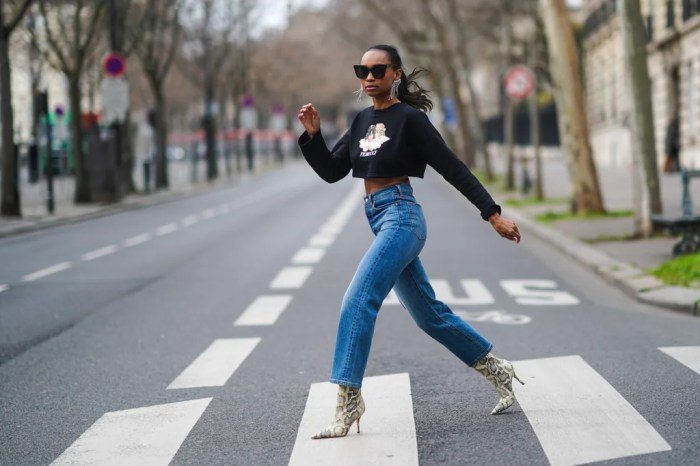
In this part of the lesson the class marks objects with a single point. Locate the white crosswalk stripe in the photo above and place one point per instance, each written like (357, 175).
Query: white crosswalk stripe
(265, 310)
(387, 430)
(149, 435)
(216, 364)
(578, 416)
(686, 355)
(291, 277)
(308, 256)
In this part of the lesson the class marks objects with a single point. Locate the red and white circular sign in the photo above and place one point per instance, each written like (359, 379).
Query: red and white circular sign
(519, 82)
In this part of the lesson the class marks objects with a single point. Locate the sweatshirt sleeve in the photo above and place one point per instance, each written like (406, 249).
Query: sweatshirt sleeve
(330, 165)
(438, 155)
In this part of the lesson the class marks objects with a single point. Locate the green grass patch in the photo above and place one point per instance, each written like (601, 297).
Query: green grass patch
(681, 271)
(481, 176)
(547, 217)
(534, 201)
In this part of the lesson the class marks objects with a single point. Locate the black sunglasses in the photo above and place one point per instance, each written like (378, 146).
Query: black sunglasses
(378, 71)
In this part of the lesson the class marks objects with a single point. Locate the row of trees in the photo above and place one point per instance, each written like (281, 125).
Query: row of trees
(205, 39)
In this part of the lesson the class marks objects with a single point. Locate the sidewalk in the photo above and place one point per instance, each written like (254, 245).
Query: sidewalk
(183, 182)
(604, 244)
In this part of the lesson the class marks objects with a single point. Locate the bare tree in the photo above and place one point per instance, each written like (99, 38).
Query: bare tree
(70, 27)
(207, 39)
(11, 13)
(160, 41)
(571, 110)
(648, 199)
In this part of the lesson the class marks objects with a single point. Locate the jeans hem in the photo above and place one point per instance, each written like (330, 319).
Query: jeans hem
(481, 356)
(345, 382)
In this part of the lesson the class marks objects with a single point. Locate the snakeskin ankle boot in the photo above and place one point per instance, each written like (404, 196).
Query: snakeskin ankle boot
(349, 408)
(500, 373)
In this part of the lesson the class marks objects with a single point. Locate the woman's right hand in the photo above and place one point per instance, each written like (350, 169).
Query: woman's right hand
(308, 116)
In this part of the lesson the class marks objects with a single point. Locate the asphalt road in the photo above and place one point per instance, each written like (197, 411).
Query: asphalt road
(194, 332)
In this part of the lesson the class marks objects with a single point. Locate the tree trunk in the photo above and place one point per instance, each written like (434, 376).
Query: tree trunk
(571, 110)
(476, 107)
(449, 62)
(642, 122)
(535, 124)
(161, 138)
(509, 136)
(11, 206)
(82, 182)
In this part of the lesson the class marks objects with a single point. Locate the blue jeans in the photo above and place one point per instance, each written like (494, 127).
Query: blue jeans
(392, 260)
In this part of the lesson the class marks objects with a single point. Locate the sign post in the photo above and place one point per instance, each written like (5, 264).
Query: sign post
(519, 83)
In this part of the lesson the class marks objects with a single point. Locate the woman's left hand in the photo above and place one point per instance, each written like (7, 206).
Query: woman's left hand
(506, 228)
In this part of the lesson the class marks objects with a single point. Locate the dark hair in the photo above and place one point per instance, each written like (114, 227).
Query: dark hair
(409, 91)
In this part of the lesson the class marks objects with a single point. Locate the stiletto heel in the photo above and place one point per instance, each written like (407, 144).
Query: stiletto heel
(518, 378)
(500, 373)
(349, 409)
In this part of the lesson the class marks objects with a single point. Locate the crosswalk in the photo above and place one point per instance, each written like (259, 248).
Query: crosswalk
(575, 413)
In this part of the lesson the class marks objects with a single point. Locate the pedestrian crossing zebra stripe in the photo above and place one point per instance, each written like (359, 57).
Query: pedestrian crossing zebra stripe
(149, 435)
(578, 416)
(387, 435)
(216, 364)
(689, 356)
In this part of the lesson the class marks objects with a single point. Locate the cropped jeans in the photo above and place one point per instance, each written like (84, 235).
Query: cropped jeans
(397, 221)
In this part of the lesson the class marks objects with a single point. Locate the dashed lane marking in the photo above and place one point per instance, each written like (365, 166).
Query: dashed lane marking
(308, 255)
(166, 229)
(265, 310)
(4, 288)
(136, 240)
(292, 277)
(687, 355)
(148, 435)
(578, 416)
(105, 251)
(47, 271)
(216, 364)
(387, 430)
(189, 220)
(321, 240)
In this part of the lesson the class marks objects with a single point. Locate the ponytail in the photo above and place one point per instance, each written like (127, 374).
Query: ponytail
(409, 90)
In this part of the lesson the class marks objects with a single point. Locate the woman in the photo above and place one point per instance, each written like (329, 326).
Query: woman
(387, 143)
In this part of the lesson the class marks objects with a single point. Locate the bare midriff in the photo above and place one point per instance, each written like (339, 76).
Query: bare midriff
(375, 184)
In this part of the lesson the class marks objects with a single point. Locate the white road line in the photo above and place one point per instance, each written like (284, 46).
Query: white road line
(166, 229)
(136, 240)
(686, 355)
(308, 255)
(291, 277)
(149, 435)
(578, 416)
(475, 290)
(387, 429)
(321, 240)
(105, 251)
(216, 364)
(189, 220)
(265, 310)
(208, 213)
(330, 229)
(4, 288)
(222, 209)
(47, 271)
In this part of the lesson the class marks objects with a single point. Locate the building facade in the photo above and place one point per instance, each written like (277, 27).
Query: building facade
(673, 50)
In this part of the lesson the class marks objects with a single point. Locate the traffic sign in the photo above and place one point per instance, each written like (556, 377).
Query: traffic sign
(519, 82)
(114, 65)
(115, 99)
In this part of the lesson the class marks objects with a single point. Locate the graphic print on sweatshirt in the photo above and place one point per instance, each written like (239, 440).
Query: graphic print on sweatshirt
(374, 138)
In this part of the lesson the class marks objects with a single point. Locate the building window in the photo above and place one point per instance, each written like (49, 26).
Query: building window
(690, 9)
(670, 13)
(650, 27)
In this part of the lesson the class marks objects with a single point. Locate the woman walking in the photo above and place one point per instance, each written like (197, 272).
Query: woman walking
(385, 144)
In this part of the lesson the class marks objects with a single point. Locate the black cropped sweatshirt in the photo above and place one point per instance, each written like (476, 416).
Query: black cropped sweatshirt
(395, 141)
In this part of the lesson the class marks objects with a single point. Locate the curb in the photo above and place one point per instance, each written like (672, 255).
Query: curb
(632, 280)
